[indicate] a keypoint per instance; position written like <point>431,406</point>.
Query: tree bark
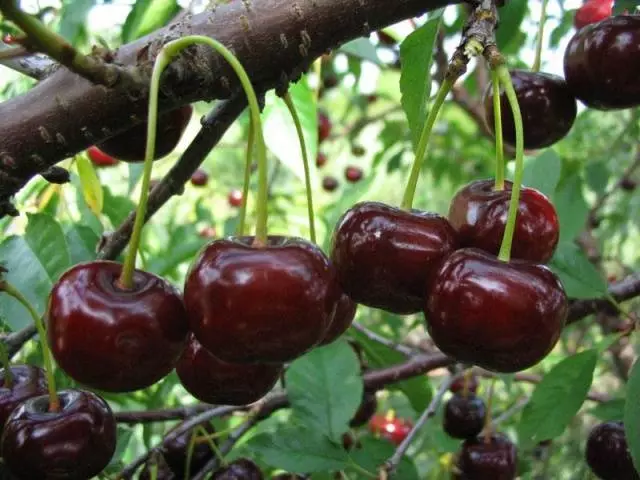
<point>276,40</point>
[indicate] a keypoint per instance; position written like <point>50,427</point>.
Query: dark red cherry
<point>199,178</point>
<point>353,174</point>
<point>384,255</point>
<point>608,454</point>
<point>479,213</point>
<point>389,427</point>
<point>365,411</point>
<point>501,316</point>
<point>628,184</point>
<point>74,443</point>
<point>602,61</point>
<point>235,198</point>
<point>547,105</point>
<point>592,11</point>
<point>115,339</point>
<point>458,385</point>
<point>329,183</point>
<point>321,160</point>
<point>324,127</point>
<point>255,303</point>
<point>464,416</point>
<point>27,381</point>
<point>213,381</point>
<point>176,450</point>
<point>482,460</point>
<point>342,319</point>
<point>130,145</point>
<point>241,469</point>
<point>99,158</point>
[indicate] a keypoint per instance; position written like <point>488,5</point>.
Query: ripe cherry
<point>501,316</point>
<point>608,454</point>
<point>389,427</point>
<point>27,381</point>
<point>321,160</point>
<point>241,469</point>
<point>366,410</point>
<point>199,178</point>
<point>458,385</point>
<point>101,159</point>
<point>602,61</point>
<point>342,319</point>
<point>384,255</point>
<point>130,145</point>
<point>547,105</point>
<point>324,127</point>
<point>235,198</point>
<point>136,336</point>
<point>175,451</point>
<point>592,12</point>
<point>329,183</point>
<point>260,303</point>
<point>353,174</point>
<point>464,416</point>
<point>213,381</point>
<point>496,459</point>
<point>479,213</point>
<point>74,443</point>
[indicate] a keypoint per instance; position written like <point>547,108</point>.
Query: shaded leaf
<point>577,274</point>
<point>543,172</point>
<point>147,16</point>
<point>632,414</point>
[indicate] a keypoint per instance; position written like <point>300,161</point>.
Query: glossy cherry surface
<point>501,316</point>
<point>479,213</point>
<point>99,158</point>
<point>353,174</point>
<point>384,255</point>
<point>330,183</point>
<point>608,454</point>
<point>458,385</point>
<point>464,416</point>
<point>393,429</point>
<point>592,11</point>
<point>241,469</point>
<point>199,178</point>
<point>213,381</point>
<point>235,198</point>
<point>365,411</point>
<point>342,319</point>
<point>74,443</point>
<point>130,145</point>
<point>602,61</point>
<point>268,303</point>
<point>481,460</point>
<point>115,339</point>
<point>175,451</point>
<point>324,127</point>
<point>547,105</point>
<point>27,382</point>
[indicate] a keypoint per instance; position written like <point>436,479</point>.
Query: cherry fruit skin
<point>458,385</point>
<point>101,159</point>
<point>479,213</point>
<point>353,174</point>
<point>608,454</point>
<point>481,460</point>
<point>393,429</point>
<point>241,469</point>
<point>501,316</point>
<point>547,105</point>
<point>602,61</point>
<point>176,450</point>
<point>592,12</point>
<point>28,382</point>
<point>330,183</point>
<point>384,255</point>
<point>213,381</point>
<point>264,304</point>
<point>199,178</point>
<point>130,145</point>
<point>324,127</point>
<point>464,416</point>
<point>74,443</point>
<point>342,319</point>
<point>136,336</point>
<point>235,198</point>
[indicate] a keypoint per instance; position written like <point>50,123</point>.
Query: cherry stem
<point>409,193</point>
<point>153,471</point>
<point>54,401</point>
<point>202,434</point>
<point>488,428</point>
<point>497,118</point>
<point>317,66</point>
<point>6,364</point>
<point>305,162</point>
<point>126,277</point>
<point>541,22</point>
<point>505,79</point>
<point>242,225</point>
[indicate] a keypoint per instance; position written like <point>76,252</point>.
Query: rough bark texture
<point>274,39</point>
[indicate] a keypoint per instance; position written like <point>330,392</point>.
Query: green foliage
<point>632,414</point>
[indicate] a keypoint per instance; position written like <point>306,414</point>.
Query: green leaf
<point>577,274</point>
<point>375,452</point>
<point>543,172</point>
<point>147,16</point>
<point>82,242</point>
<point>91,187</point>
<point>571,206</point>
<point>416,54</point>
<point>511,16</point>
<point>73,19</point>
<point>362,48</point>
<point>325,388</point>
<point>632,414</point>
<point>117,208</point>
<point>557,398</point>
<point>610,411</point>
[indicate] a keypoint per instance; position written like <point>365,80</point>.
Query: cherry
<point>464,416</point>
<point>628,184</point>
<point>208,232</point>
<point>353,174</point>
<point>136,335</point>
<point>592,11</point>
<point>366,410</point>
<point>176,450</point>
<point>607,452</point>
<point>130,145</point>
<point>391,428</point>
<point>602,61</point>
<point>28,381</point>
<point>547,105</point>
<point>99,158</point>
<point>213,381</point>
<point>255,303</point>
<point>324,127</point>
<point>241,469</point>
<point>235,198</point>
<point>342,319</point>
<point>480,459</point>
<point>458,385</point>
<point>76,442</point>
<point>501,316</point>
<point>321,160</point>
<point>329,183</point>
<point>384,255</point>
<point>479,213</point>
<point>199,178</point>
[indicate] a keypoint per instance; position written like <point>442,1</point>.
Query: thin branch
<point>15,341</point>
<point>398,347</point>
<point>166,415</point>
<point>34,66</point>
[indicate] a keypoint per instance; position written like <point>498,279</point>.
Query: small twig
<point>15,341</point>
<point>166,415</point>
<point>398,347</point>
<point>506,415</point>
<point>34,66</point>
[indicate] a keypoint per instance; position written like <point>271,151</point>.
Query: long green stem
<point>202,434</point>
<point>497,117</point>
<point>54,401</point>
<point>409,193</point>
<point>505,80</point>
<point>242,224</point>
<point>173,48</point>
<point>6,365</point>
<point>540,39</point>
<point>305,163</point>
